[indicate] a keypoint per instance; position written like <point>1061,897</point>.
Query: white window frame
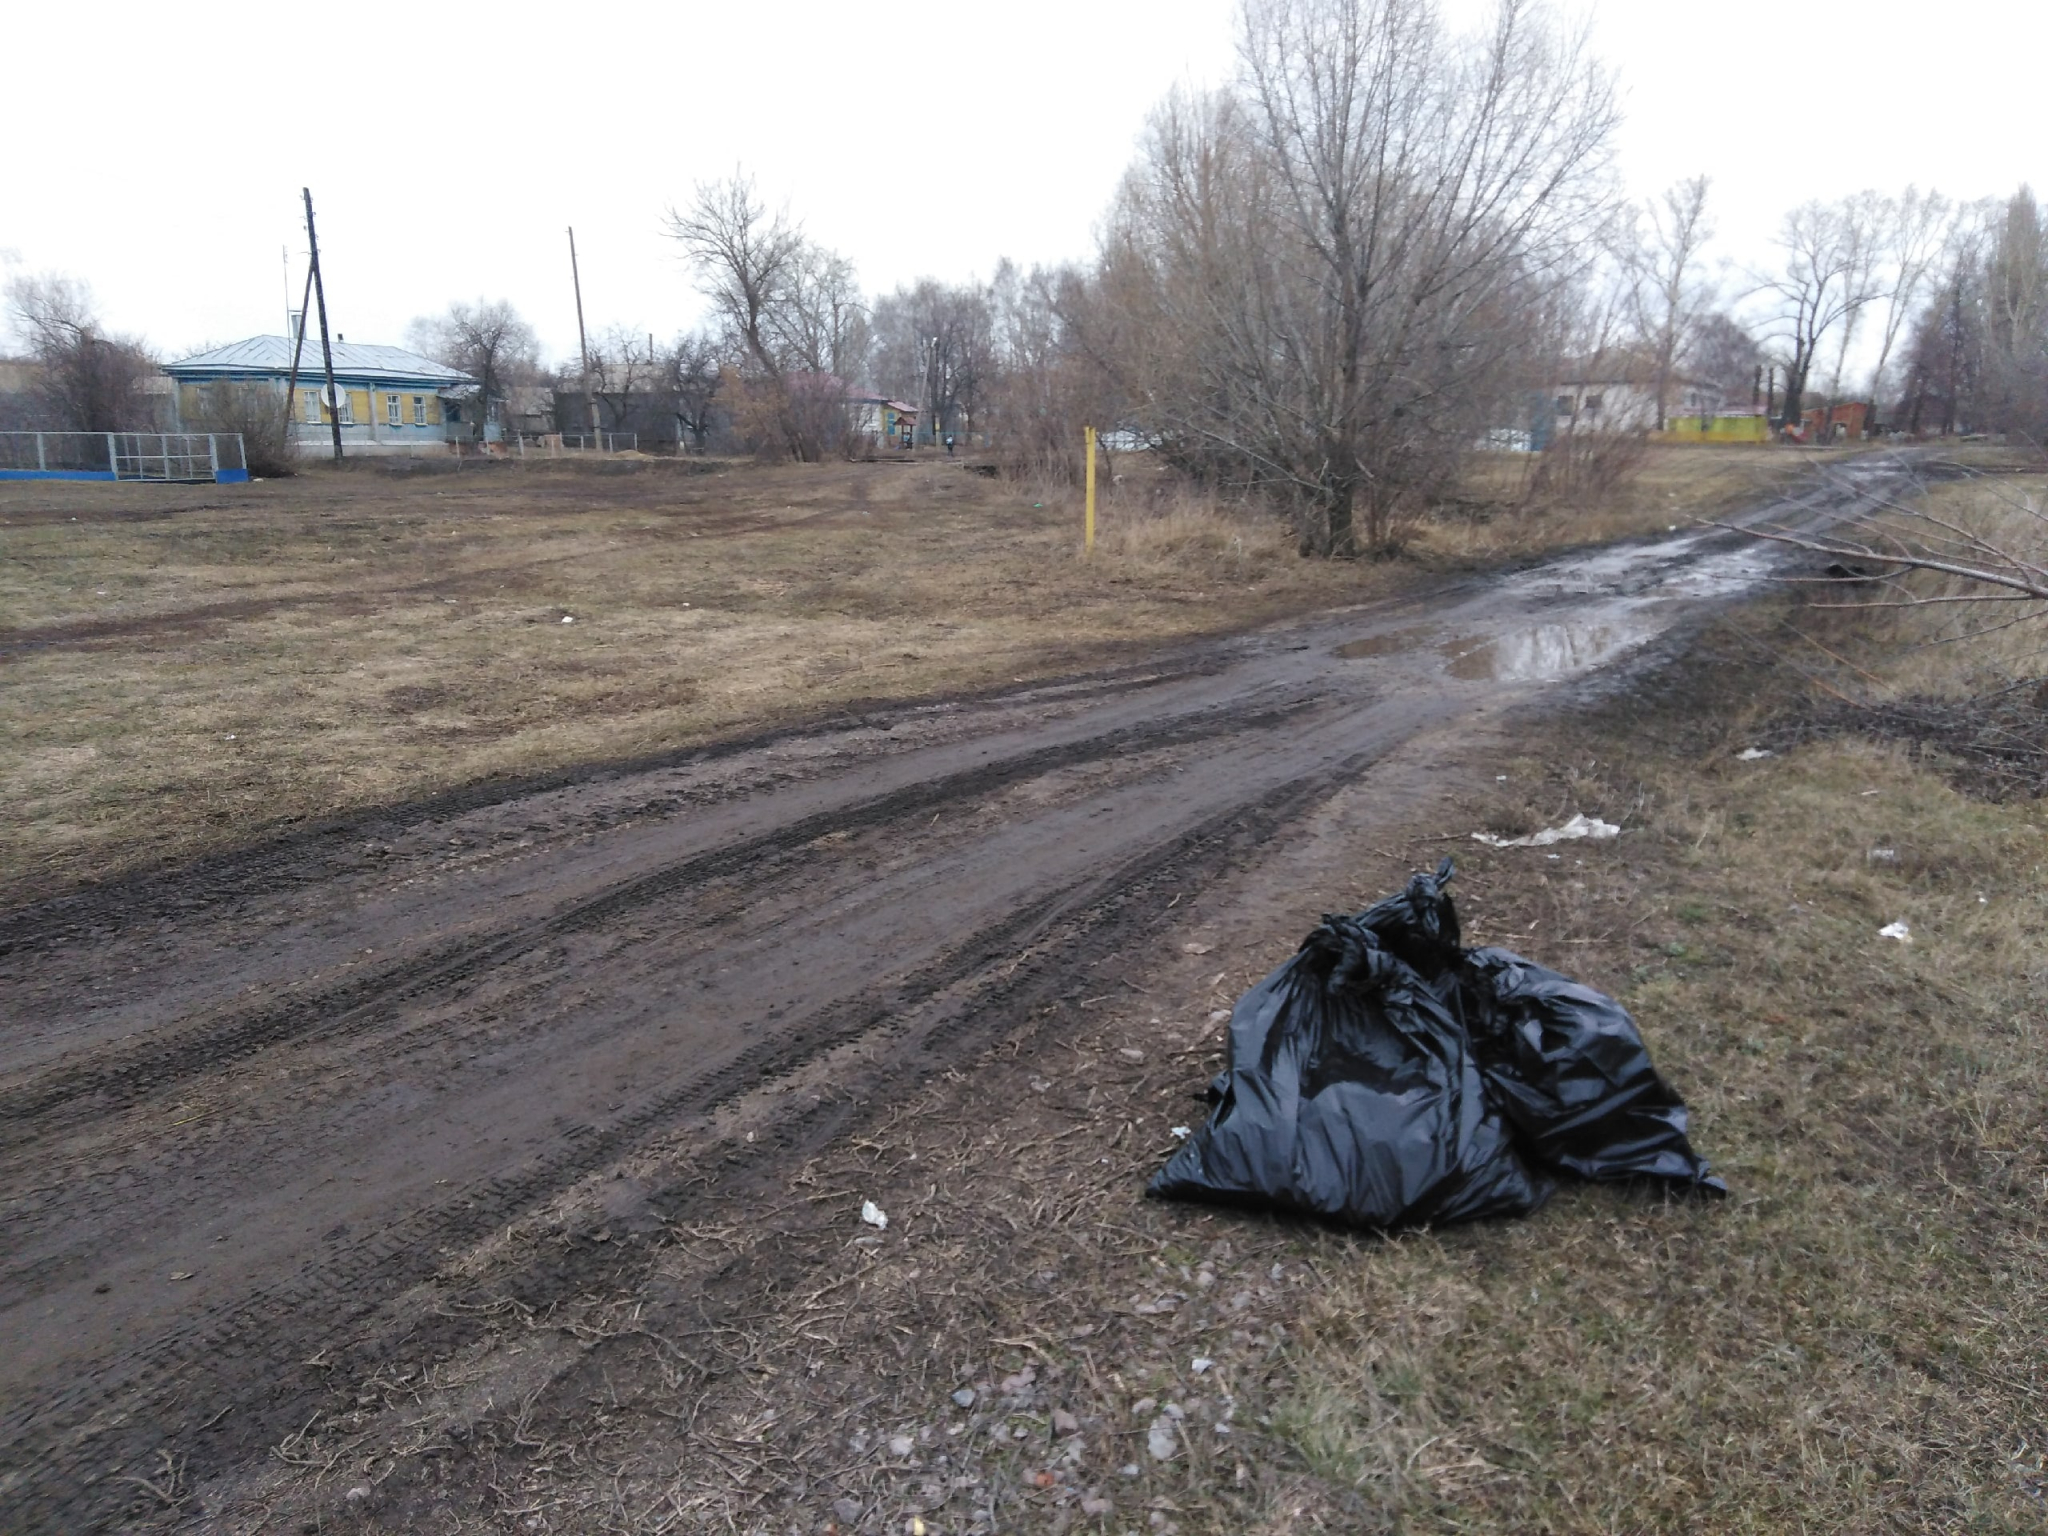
<point>394,411</point>
<point>312,399</point>
<point>419,410</point>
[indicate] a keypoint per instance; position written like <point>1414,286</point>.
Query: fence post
<point>1088,525</point>
<point>113,457</point>
<point>42,463</point>
<point>213,457</point>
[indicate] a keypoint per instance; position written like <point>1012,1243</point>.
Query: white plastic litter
<point>1752,754</point>
<point>1161,1440</point>
<point>1182,1132</point>
<point>874,1215</point>
<point>1579,826</point>
<point>568,618</point>
<point>1200,1364</point>
<point>1897,931</point>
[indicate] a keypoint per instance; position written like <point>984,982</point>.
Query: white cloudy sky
<point>158,151</point>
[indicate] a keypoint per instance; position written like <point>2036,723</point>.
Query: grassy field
<point>186,667</point>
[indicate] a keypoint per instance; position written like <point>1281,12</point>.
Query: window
<point>419,410</point>
<point>1593,405</point>
<point>348,407</point>
<point>312,398</point>
<point>1564,405</point>
<point>393,417</point>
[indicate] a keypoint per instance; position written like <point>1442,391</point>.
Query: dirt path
<point>248,1114</point>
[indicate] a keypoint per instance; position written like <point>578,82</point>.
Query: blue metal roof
<point>264,356</point>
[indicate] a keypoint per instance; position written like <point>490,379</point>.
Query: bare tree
<point>1321,273</point>
<point>821,323</point>
<point>90,380</point>
<point>1823,283</point>
<point>935,344</point>
<point>624,369</point>
<point>1667,292</point>
<point>1945,357</point>
<point>1915,229</point>
<point>792,309</point>
<point>2014,326</point>
<point>1726,361</point>
<point>487,341</point>
<point>746,261</point>
<point>692,370</point>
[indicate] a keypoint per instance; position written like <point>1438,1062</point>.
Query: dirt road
<point>251,1110</point>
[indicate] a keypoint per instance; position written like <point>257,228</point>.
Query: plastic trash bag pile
<point>1388,1077</point>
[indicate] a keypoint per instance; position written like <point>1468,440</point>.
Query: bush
<point>261,415</point>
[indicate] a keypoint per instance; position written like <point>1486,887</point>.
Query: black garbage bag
<point>1387,1077</point>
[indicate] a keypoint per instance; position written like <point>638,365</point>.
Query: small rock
<point>357,1494</point>
<point>1196,949</point>
<point>964,1398</point>
<point>1011,1386</point>
<point>1128,1469</point>
<point>1161,1440</point>
<point>1064,1423</point>
<point>901,1446</point>
<point>1130,1053</point>
<point>1143,1406</point>
<point>1098,1507</point>
<point>1219,1015</point>
<point>1200,1364</point>
<point>847,1510</point>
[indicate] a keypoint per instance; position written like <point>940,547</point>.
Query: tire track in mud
<point>310,855</point>
<point>251,1354</point>
<point>116,1077</point>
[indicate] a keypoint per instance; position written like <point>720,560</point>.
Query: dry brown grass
<point>1853,1340</point>
<point>187,667</point>
<point>1673,486</point>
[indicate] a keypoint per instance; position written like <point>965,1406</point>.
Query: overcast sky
<point>158,151</point>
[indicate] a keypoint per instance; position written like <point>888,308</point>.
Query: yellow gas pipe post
<point>1088,436</point>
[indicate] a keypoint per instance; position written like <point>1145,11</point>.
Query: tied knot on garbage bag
<point>1388,1077</point>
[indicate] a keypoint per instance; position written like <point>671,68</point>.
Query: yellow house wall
<point>1715,429</point>
<point>192,405</point>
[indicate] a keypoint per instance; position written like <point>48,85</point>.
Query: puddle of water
<point>1390,644</point>
<point>1545,651</point>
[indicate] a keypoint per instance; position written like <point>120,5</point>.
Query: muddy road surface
<point>250,1111</point>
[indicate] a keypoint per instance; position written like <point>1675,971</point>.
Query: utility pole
<point>326,346</point>
<point>582,342</point>
<point>297,324</point>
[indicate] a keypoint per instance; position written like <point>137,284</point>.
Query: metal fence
<point>163,456</point>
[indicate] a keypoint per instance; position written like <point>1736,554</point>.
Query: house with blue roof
<point>388,399</point>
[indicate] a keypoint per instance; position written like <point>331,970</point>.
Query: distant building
<point>1717,427</point>
<point>1834,423</point>
<point>885,423</point>
<point>389,399</point>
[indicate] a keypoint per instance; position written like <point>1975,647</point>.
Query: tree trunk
<point>1343,530</point>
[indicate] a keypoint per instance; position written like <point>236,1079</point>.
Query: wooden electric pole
<point>326,347</point>
<point>582,343</point>
<point>291,383</point>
